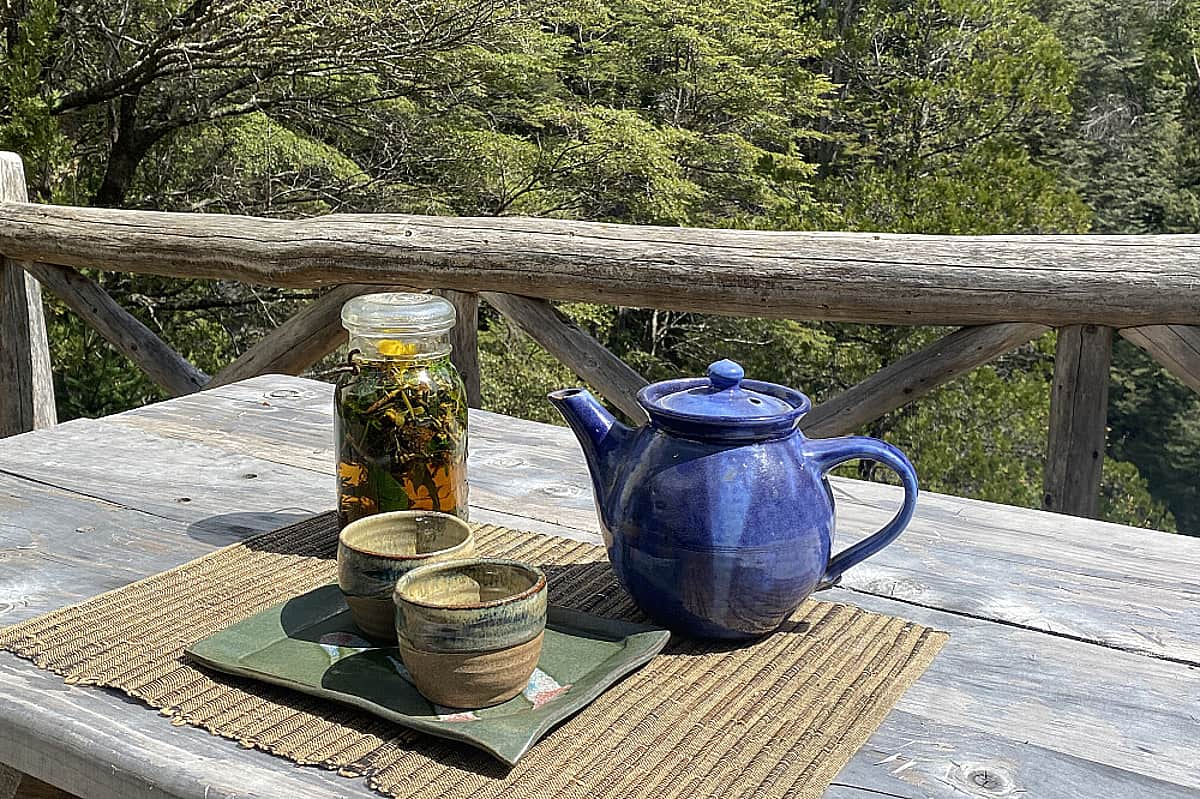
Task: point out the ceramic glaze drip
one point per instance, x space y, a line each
375 552
474 605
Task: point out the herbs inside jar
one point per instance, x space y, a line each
401 412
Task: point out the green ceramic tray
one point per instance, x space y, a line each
310 644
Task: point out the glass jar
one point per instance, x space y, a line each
401 410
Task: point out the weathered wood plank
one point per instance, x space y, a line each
26 403
32 788
131 338
310 335
1071 577
1078 412
910 757
925 749
1176 347
500 464
915 375
27 396
1015 659
218 483
100 745
1045 692
1085 701
1009 694
1006 692
58 547
616 380
861 277
464 342
1071 581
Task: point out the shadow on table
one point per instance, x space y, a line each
230 528
608 598
591 587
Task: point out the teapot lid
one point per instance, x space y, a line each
724 398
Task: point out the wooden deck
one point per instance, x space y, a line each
1073 669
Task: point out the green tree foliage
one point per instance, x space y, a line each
934 116
938 118
220 105
1134 157
120 80
1154 421
644 111
937 126
27 125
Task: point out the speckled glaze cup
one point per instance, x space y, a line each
373 553
470 631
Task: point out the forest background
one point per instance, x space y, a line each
929 116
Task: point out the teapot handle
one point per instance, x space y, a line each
826 453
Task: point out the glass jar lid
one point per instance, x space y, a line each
398 313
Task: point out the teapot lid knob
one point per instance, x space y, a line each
725 374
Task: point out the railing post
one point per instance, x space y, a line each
464 340
26 385
1078 416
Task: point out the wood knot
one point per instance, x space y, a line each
988 780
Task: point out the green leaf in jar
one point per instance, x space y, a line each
389 494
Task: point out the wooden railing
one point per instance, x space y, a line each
1002 291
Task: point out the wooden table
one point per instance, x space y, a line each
1072 668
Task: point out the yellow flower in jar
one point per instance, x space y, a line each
396 349
449 484
351 473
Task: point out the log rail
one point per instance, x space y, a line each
1002 291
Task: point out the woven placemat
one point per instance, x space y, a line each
777 718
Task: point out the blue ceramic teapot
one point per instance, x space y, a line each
716 515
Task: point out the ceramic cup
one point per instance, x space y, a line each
470 631
376 551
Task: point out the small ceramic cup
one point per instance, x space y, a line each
375 551
471 631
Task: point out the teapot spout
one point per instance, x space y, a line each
601 436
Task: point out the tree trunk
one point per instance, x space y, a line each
130 145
